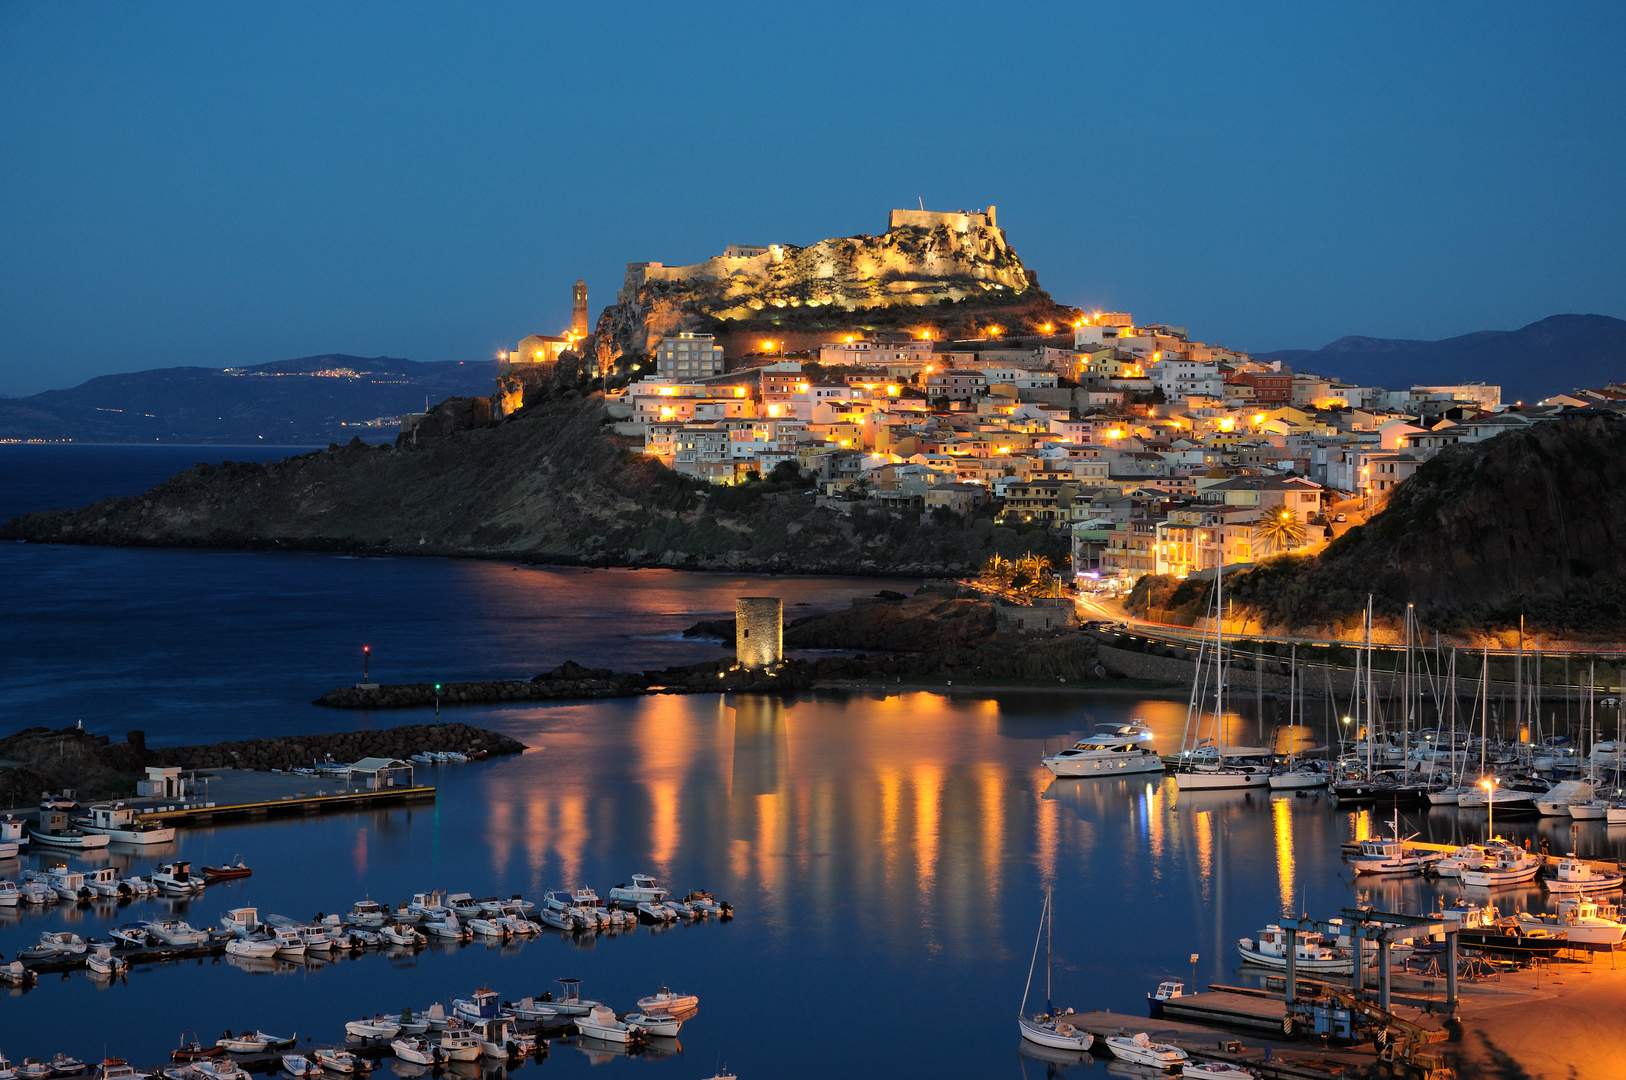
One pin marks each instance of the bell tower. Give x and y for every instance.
(578, 309)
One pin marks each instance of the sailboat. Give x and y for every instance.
(1294, 773)
(1207, 765)
(1049, 1028)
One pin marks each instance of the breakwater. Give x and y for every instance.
(295, 751)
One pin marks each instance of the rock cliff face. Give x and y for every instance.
(548, 484)
(1530, 523)
(958, 258)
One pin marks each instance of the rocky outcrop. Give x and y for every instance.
(936, 617)
(549, 484)
(921, 266)
(1531, 523)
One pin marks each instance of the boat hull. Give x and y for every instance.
(1254, 956)
(1220, 781)
(1053, 1036)
(1104, 765)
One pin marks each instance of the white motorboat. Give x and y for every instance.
(314, 938)
(1303, 776)
(300, 1066)
(1217, 1070)
(1234, 770)
(1446, 796)
(1510, 867)
(517, 924)
(1392, 856)
(570, 1002)
(463, 905)
(556, 919)
(65, 1065)
(175, 932)
(1053, 1027)
(340, 1061)
(246, 1042)
(177, 879)
(139, 886)
(64, 942)
(101, 961)
(665, 1000)
(419, 1051)
(1616, 812)
(436, 1018)
(217, 1069)
(460, 1046)
(402, 934)
(1583, 922)
(489, 928)
(1141, 1050)
(254, 948)
(69, 885)
(656, 912)
(1576, 876)
(36, 893)
(709, 904)
(444, 924)
(374, 1027)
(33, 1069)
(118, 823)
(682, 909)
(427, 903)
(601, 1023)
(662, 1025)
(12, 973)
(643, 888)
(367, 913)
(113, 1068)
(13, 836)
(133, 936)
(1556, 801)
(1311, 952)
(10, 894)
(1591, 810)
(1117, 751)
(1469, 855)
(530, 1009)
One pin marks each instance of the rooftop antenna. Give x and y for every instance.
(921, 201)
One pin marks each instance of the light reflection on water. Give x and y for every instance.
(887, 856)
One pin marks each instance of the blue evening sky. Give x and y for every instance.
(235, 183)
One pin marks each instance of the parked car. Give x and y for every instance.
(1341, 517)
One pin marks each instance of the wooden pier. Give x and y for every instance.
(1216, 1041)
(299, 803)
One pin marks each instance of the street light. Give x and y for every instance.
(1490, 808)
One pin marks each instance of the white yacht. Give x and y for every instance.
(118, 823)
(1141, 1050)
(1109, 752)
(1509, 867)
(1311, 952)
(643, 888)
(1557, 801)
(1582, 922)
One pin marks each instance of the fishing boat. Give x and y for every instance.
(1053, 1027)
(300, 1066)
(602, 1023)
(500, 1039)
(66, 1065)
(368, 913)
(118, 823)
(1167, 990)
(643, 888)
(665, 1000)
(106, 885)
(1114, 751)
(483, 1004)
(33, 1069)
(113, 1068)
(56, 830)
(10, 894)
(234, 869)
(402, 934)
(247, 1042)
(1510, 867)
(192, 1049)
(1582, 922)
(1141, 1050)
(570, 1002)
(1392, 856)
(459, 1046)
(1311, 952)
(1574, 876)
(68, 884)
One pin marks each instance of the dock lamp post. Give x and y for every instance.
(437, 703)
(1490, 808)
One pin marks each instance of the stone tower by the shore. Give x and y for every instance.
(578, 309)
(759, 631)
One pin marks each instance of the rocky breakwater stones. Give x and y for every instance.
(296, 751)
(571, 680)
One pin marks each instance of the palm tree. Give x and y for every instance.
(998, 570)
(1280, 531)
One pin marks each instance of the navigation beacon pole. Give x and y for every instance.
(437, 704)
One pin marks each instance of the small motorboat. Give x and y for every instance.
(1217, 1070)
(643, 888)
(601, 1023)
(299, 1065)
(131, 936)
(175, 932)
(662, 1024)
(413, 1023)
(402, 934)
(681, 909)
(435, 1017)
(176, 879)
(13, 973)
(217, 1069)
(665, 1000)
(277, 1042)
(249, 1042)
(374, 1027)
(1509, 867)
(113, 1068)
(367, 913)
(64, 942)
(33, 1069)
(1311, 952)
(480, 1005)
(342, 1061)
(556, 919)
(101, 961)
(253, 948)
(570, 1002)
(192, 1049)
(65, 1065)
(529, 1009)
(708, 904)
(10, 894)
(489, 928)
(500, 1039)
(1167, 990)
(416, 1050)
(656, 912)
(1141, 1050)
(235, 869)
(459, 1046)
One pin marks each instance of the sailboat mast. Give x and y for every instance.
(1049, 914)
(1484, 710)
(1591, 725)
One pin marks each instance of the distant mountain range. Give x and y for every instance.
(315, 399)
(1549, 357)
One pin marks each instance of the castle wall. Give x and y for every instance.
(930, 219)
(759, 631)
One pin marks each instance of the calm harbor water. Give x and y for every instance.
(887, 854)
